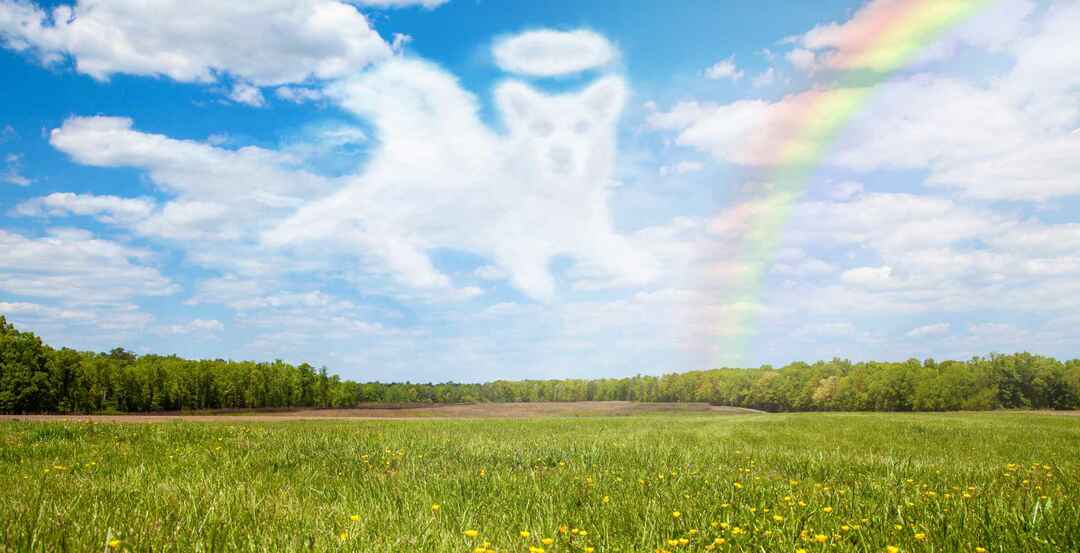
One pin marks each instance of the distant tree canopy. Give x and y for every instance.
(37, 378)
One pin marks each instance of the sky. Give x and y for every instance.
(433, 190)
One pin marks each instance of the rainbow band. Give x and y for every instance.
(895, 33)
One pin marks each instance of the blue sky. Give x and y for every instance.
(425, 190)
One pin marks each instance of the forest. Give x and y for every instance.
(37, 378)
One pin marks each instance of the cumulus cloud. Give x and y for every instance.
(748, 132)
(216, 201)
(986, 141)
(549, 53)
(195, 326)
(74, 266)
(915, 254)
(107, 209)
(217, 192)
(542, 189)
(197, 40)
(724, 69)
(298, 94)
(995, 139)
(244, 93)
(803, 59)
(877, 38)
(925, 331)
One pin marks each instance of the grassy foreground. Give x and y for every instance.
(798, 482)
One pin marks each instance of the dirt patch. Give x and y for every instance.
(413, 412)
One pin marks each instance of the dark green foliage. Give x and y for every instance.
(37, 378)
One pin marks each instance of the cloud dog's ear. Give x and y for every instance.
(517, 102)
(605, 98)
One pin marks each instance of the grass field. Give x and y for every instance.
(652, 482)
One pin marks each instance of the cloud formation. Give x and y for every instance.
(200, 40)
(549, 53)
(724, 69)
(540, 190)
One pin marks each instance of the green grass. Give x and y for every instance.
(887, 478)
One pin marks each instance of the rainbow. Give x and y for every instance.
(891, 34)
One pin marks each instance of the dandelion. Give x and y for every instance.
(114, 544)
(355, 518)
(920, 536)
(344, 535)
(524, 533)
(892, 549)
(827, 509)
(547, 541)
(435, 507)
(471, 533)
(821, 538)
(675, 514)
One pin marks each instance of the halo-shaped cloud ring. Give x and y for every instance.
(550, 53)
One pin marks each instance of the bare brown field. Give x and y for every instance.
(419, 411)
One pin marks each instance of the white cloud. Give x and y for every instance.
(925, 331)
(244, 93)
(427, 4)
(73, 266)
(36, 313)
(873, 39)
(1004, 138)
(765, 78)
(905, 254)
(12, 173)
(219, 193)
(108, 209)
(549, 53)
(869, 277)
(746, 132)
(724, 69)
(195, 326)
(542, 188)
(974, 139)
(299, 94)
(399, 42)
(803, 60)
(195, 40)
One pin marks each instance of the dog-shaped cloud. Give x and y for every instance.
(440, 178)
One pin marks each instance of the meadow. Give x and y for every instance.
(686, 481)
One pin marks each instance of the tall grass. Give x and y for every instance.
(813, 482)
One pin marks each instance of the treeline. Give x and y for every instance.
(37, 378)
